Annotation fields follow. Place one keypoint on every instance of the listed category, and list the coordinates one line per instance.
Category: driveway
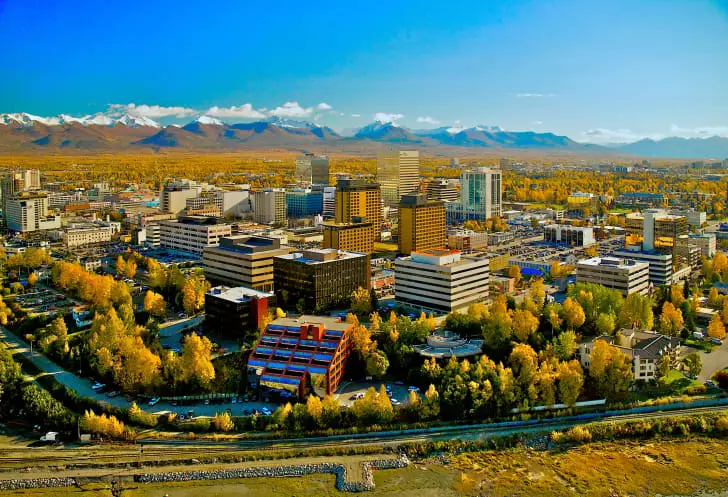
(713, 362)
(346, 391)
(82, 386)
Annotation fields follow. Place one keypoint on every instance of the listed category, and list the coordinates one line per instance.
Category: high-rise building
(329, 193)
(312, 169)
(192, 234)
(174, 195)
(421, 224)
(398, 173)
(28, 211)
(357, 198)
(441, 280)
(352, 237)
(269, 206)
(481, 195)
(243, 260)
(319, 279)
(442, 190)
(16, 182)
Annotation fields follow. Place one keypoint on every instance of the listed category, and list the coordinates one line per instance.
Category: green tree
(693, 363)
(637, 312)
(565, 345)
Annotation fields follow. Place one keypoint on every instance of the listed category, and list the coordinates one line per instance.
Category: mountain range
(98, 133)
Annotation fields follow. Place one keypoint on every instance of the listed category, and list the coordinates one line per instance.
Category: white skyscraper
(481, 191)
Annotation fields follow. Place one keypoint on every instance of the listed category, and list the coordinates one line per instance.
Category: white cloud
(386, 117)
(151, 111)
(427, 120)
(604, 136)
(291, 109)
(323, 106)
(537, 122)
(457, 121)
(623, 135)
(356, 115)
(699, 132)
(244, 111)
(534, 95)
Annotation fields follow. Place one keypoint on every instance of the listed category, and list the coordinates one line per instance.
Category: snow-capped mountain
(209, 120)
(25, 119)
(386, 131)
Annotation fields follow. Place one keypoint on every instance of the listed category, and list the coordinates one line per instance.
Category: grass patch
(703, 345)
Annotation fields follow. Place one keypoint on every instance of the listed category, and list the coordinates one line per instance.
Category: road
(82, 386)
(713, 362)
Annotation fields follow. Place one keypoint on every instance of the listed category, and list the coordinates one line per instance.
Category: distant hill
(715, 147)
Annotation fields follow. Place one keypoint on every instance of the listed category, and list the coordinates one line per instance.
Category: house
(645, 348)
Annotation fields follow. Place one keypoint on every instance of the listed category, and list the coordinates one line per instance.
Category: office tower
(441, 280)
(302, 202)
(269, 206)
(353, 237)
(28, 211)
(319, 279)
(16, 182)
(312, 169)
(441, 190)
(481, 192)
(174, 195)
(329, 201)
(657, 228)
(192, 234)
(357, 198)
(243, 260)
(398, 173)
(421, 224)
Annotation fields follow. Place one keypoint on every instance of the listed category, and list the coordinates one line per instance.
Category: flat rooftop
(615, 262)
(330, 323)
(321, 256)
(237, 294)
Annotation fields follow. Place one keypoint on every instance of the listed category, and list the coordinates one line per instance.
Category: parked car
(154, 401)
(413, 389)
(357, 396)
(265, 411)
(716, 341)
(98, 386)
(112, 394)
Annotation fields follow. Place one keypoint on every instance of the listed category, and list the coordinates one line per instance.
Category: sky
(598, 71)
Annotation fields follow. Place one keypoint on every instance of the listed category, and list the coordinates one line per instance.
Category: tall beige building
(398, 174)
(269, 206)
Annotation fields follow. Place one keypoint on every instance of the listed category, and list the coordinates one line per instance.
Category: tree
(377, 364)
(196, 359)
(693, 363)
(154, 304)
(606, 322)
(565, 345)
(538, 292)
(130, 269)
(715, 299)
(135, 367)
(361, 303)
(572, 313)
(676, 295)
(571, 381)
(189, 298)
(664, 364)
(32, 279)
(525, 324)
(223, 422)
(314, 409)
(515, 273)
(716, 329)
(636, 312)
(671, 320)
(591, 251)
(361, 339)
(610, 369)
(120, 266)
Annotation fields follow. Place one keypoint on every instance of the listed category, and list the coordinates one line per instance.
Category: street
(713, 362)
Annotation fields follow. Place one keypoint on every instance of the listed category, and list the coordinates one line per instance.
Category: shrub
(721, 378)
(223, 422)
(579, 434)
(721, 424)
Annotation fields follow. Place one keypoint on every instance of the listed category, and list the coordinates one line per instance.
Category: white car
(413, 389)
(154, 401)
(395, 402)
(97, 386)
(265, 411)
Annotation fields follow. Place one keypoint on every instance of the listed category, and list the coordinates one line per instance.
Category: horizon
(607, 74)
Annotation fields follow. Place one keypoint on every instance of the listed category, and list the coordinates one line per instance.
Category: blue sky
(593, 70)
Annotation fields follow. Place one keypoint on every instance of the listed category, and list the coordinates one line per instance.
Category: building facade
(578, 236)
(28, 211)
(304, 202)
(192, 234)
(466, 241)
(86, 235)
(441, 280)
(398, 173)
(618, 274)
(421, 224)
(312, 169)
(269, 206)
(481, 195)
(351, 237)
(359, 199)
(243, 260)
(235, 312)
(319, 279)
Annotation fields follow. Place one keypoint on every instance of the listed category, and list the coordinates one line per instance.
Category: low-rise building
(235, 312)
(660, 271)
(192, 234)
(466, 241)
(578, 236)
(243, 260)
(441, 280)
(644, 348)
(618, 274)
(319, 279)
(83, 236)
(297, 357)
(706, 242)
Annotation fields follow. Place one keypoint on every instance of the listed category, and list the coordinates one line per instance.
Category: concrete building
(695, 218)
(58, 200)
(192, 234)
(302, 202)
(442, 190)
(618, 274)
(660, 270)
(644, 348)
(329, 201)
(235, 312)
(298, 357)
(174, 195)
(658, 229)
(312, 169)
(578, 236)
(421, 224)
(83, 236)
(243, 260)
(27, 180)
(481, 195)
(466, 241)
(357, 198)
(351, 237)
(441, 280)
(706, 242)
(269, 206)
(28, 211)
(319, 279)
(398, 173)
(581, 202)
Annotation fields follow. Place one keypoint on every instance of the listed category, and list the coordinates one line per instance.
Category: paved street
(346, 391)
(713, 362)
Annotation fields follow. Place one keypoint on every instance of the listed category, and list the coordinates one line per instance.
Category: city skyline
(600, 74)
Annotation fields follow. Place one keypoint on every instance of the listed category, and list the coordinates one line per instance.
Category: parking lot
(348, 392)
(42, 300)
